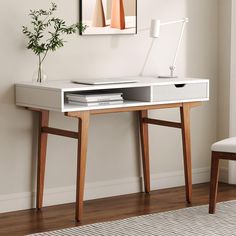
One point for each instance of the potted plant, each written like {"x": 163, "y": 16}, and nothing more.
{"x": 46, "y": 34}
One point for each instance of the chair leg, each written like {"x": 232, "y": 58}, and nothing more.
{"x": 213, "y": 183}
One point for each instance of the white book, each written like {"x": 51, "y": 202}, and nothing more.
{"x": 88, "y": 104}
{"x": 94, "y": 97}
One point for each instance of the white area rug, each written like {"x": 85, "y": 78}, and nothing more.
{"x": 187, "y": 222}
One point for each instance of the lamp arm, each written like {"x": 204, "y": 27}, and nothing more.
{"x": 155, "y": 33}
{"x": 175, "y": 22}
{"x": 183, "y": 21}
{"x": 179, "y": 44}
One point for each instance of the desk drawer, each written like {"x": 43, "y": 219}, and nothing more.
{"x": 180, "y": 92}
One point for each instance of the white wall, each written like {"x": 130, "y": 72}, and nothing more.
{"x": 232, "y": 123}
{"x": 224, "y": 61}
{"x": 225, "y": 8}
{"x": 202, "y": 61}
{"x": 233, "y": 72}
{"x": 227, "y": 73}
{"x": 113, "y": 153}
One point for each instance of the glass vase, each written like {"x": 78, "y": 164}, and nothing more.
{"x": 39, "y": 75}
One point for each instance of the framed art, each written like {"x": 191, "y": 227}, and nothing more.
{"x": 108, "y": 17}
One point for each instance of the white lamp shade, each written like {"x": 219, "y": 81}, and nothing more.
{"x": 155, "y": 28}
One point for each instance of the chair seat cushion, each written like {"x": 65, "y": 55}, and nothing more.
{"x": 226, "y": 145}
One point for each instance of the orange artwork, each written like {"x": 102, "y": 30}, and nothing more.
{"x": 118, "y": 14}
{"x": 98, "y": 15}
{"x": 108, "y": 17}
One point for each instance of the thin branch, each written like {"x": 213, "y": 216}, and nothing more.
{"x": 45, "y": 55}
{"x": 41, "y": 20}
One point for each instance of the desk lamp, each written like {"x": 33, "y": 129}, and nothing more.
{"x": 155, "y": 33}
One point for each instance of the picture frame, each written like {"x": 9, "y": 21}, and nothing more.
{"x": 108, "y": 17}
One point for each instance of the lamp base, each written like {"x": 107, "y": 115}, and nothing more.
{"x": 167, "y": 77}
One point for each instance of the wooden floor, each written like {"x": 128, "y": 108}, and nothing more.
{"x": 58, "y": 217}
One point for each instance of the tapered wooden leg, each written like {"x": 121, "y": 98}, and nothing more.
{"x": 145, "y": 149}
{"x": 213, "y": 183}
{"x": 81, "y": 162}
{"x": 42, "y": 149}
{"x": 185, "y": 121}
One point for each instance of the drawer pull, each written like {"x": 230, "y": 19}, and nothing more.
{"x": 179, "y": 85}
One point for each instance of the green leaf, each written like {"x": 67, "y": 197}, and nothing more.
{"x": 47, "y": 30}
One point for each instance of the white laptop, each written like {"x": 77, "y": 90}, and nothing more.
{"x": 106, "y": 81}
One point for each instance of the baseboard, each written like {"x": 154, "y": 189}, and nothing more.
{"x": 22, "y": 201}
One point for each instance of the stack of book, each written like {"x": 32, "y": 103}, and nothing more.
{"x": 94, "y": 99}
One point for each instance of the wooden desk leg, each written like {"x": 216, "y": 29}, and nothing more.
{"x": 145, "y": 149}
{"x": 185, "y": 121}
{"x": 81, "y": 162}
{"x": 42, "y": 149}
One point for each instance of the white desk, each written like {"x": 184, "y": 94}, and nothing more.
{"x": 148, "y": 94}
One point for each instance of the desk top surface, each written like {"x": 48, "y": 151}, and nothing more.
{"x": 68, "y": 85}
{"x": 148, "y": 91}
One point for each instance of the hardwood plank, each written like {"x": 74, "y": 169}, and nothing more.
{"x": 57, "y": 217}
